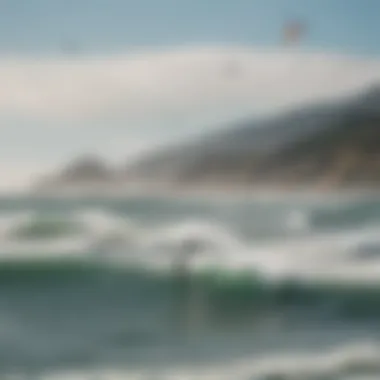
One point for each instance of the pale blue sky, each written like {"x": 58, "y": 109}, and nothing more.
{"x": 52, "y": 27}
{"x": 112, "y": 25}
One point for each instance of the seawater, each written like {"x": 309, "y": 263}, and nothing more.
{"x": 277, "y": 288}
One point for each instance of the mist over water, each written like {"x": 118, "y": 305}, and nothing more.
{"x": 281, "y": 287}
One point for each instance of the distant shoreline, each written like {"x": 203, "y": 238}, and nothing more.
{"x": 206, "y": 192}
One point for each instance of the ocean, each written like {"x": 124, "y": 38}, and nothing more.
{"x": 275, "y": 287}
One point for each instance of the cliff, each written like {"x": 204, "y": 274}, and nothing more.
{"x": 325, "y": 145}
{"x": 87, "y": 172}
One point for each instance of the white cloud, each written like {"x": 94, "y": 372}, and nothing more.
{"x": 149, "y": 86}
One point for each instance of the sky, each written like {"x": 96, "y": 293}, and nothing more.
{"x": 117, "y": 77}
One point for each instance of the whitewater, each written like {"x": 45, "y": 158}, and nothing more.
{"x": 279, "y": 288}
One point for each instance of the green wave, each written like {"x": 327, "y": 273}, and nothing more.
{"x": 46, "y": 228}
{"x": 223, "y": 292}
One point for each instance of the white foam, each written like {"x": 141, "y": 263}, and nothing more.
{"x": 297, "y": 220}
{"x": 8, "y": 221}
{"x": 333, "y": 256}
{"x": 207, "y": 236}
{"x": 358, "y": 359}
{"x": 324, "y": 257}
{"x": 101, "y": 222}
{"x": 95, "y": 226}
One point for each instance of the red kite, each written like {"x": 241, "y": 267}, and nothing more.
{"x": 292, "y": 32}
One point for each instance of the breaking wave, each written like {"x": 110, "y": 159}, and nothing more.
{"x": 358, "y": 360}
{"x": 351, "y": 254}
{"x": 336, "y": 271}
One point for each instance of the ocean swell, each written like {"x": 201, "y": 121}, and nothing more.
{"x": 334, "y": 273}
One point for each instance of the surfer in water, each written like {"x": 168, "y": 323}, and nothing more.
{"x": 187, "y": 251}
{"x": 188, "y": 297}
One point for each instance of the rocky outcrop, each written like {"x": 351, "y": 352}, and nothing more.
{"x": 87, "y": 172}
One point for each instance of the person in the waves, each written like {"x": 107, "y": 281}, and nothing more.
{"x": 188, "y": 296}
